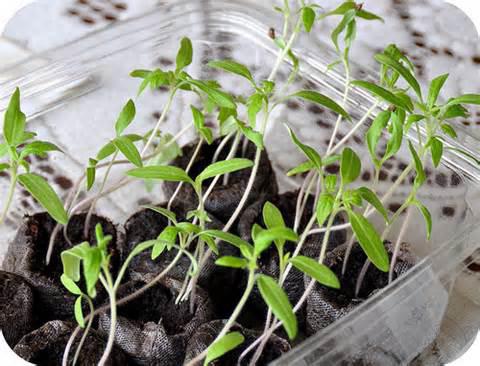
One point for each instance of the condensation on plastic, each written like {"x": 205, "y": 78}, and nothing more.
{"x": 85, "y": 83}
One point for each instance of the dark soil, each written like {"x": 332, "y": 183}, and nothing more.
{"x": 207, "y": 333}
{"x": 326, "y": 305}
{"x": 224, "y": 199}
{"x": 46, "y": 345}
{"x": 152, "y": 329}
{"x": 16, "y": 307}
{"x": 26, "y": 257}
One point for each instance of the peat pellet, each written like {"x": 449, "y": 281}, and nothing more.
{"x": 26, "y": 257}
{"x": 207, "y": 333}
{"x": 152, "y": 329}
{"x": 218, "y": 281}
{"x": 16, "y": 307}
{"x": 326, "y": 305}
{"x": 46, "y": 345}
{"x": 224, "y": 199}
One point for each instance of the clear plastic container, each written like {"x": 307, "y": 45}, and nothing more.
{"x": 74, "y": 99}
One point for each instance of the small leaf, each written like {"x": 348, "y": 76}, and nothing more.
{"x": 308, "y": 151}
{"x": 276, "y": 299}
{"x": 219, "y": 97}
{"x": 45, "y": 195}
{"x": 421, "y": 176}
{"x": 308, "y": 17}
{"x": 71, "y": 260}
{"x": 347, "y": 19}
{"x": 71, "y": 286}
{"x": 368, "y": 15}
{"x": 436, "y": 150}
{"x": 199, "y": 122}
{"x": 229, "y": 238}
{"x": 387, "y": 60}
{"x": 159, "y": 248}
{"x": 224, "y": 345}
{"x": 210, "y": 242}
{"x": 321, "y": 273}
{"x": 4, "y": 166}
{"x": 435, "y": 88}
{"x": 185, "y": 54}
{"x": 383, "y": 93}
{"x": 232, "y": 262}
{"x": 163, "y": 211}
{"x": 340, "y": 10}
{"x": 375, "y": 132}
{"x": 264, "y": 238}
{"x": 449, "y": 130}
{"x": 317, "y": 98}
{"x": 14, "y": 120}
{"x": 300, "y": 169}
{"x": 79, "y": 313}
{"x": 3, "y": 150}
{"x": 350, "y": 166}
{"x": 125, "y": 118}
{"x": 140, "y": 248}
{"x": 106, "y": 151}
{"x": 252, "y": 135}
{"x": 395, "y": 142}
{"x": 254, "y": 105}
{"x": 91, "y": 173}
{"x": 369, "y": 240}
{"x": 426, "y": 215}
{"x": 272, "y": 217}
{"x": 324, "y": 208}
{"x": 129, "y": 150}
{"x": 165, "y": 173}
{"x": 233, "y": 67}
{"x": 466, "y": 99}
{"x": 455, "y": 111}
{"x": 331, "y": 183}
{"x": 371, "y": 197}
{"x": 38, "y": 148}
{"x": 224, "y": 167}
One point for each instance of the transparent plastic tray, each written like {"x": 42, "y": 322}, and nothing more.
{"x": 75, "y": 98}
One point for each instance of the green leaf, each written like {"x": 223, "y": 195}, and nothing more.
{"x": 14, "y": 120}
{"x": 254, "y": 105}
{"x": 340, "y": 10}
{"x": 308, "y": 151}
{"x": 426, "y": 215}
{"x": 223, "y": 167}
{"x": 4, "y": 166}
{"x": 317, "y": 98}
{"x": 272, "y": 217}
{"x": 210, "y": 242}
{"x": 265, "y": 237}
{"x": 455, "y": 111}
{"x": 300, "y": 169}
{"x": 185, "y": 54}
{"x": 71, "y": 286}
{"x": 163, "y": 211}
{"x": 3, "y": 150}
{"x": 233, "y": 67}
{"x": 347, "y": 19}
{"x": 375, "y": 132}
{"x": 92, "y": 264}
{"x": 331, "y": 183}
{"x": 435, "y": 86}
{"x": 436, "y": 149}
{"x": 91, "y": 173}
{"x": 229, "y": 238}
{"x": 45, "y": 195}
{"x": 224, "y": 345}
{"x": 321, "y": 273}
{"x": 125, "y": 118}
{"x": 232, "y": 262}
{"x": 387, "y": 60}
{"x": 395, "y": 142}
{"x": 79, "y": 313}
{"x": 219, "y": 97}
{"x": 278, "y": 302}
{"x": 449, "y": 130}
{"x": 308, "y": 17}
{"x": 371, "y": 197}
{"x": 199, "y": 122}
{"x": 106, "y": 151}
{"x": 465, "y": 99}
{"x": 159, "y": 248}
{"x": 252, "y": 135}
{"x": 129, "y": 150}
{"x": 421, "y": 176}
{"x": 71, "y": 260}
{"x": 324, "y": 208}
{"x": 369, "y": 240}
{"x": 350, "y": 166}
{"x": 38, "y": 148}
{"x": 368, "y": 15}
{"x": 382, "y": 93}
{"x": 139, "y": 248}
{"x": 413, "y": 118}
{"x": 165, "y": 173}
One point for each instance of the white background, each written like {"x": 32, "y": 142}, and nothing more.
{"x": 471, "y": 7}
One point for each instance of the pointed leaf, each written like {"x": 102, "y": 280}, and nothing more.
{"x": 79, "y": 313}
{"x": 323, "y": 100}
{"x": 375, "y": 132}
{"x": 435, "y": 88}
{"x": 129, "y": 150}
{"x": 228, "y": 237}
{"x": 185, "y": 54}
{"x": 466, "y": 99}
{"x": 436, "y": 150}
{"x": 252, "y": 135}
{"x": 38, "y": 148}
{"x": 254, "y": 104}
{"x": 308, "y": 151}
{"x": 382, "y": 93}
{"x": 163, "y": 211}
{"x": 14, "y": 120}
{"x": 224, "y": 345}
{"x": 321, "y": 273}
{"x": 421, "y": 176}
{"x": 232, "y": 262}
{"x": 350, "y": 166}
{"x": 265, "y": 238}
{"x": 308, "y": 17}
{"x": 300, "y": 169}
{"x": 426, "y": 215}
{"x": 45, "y": 195}
{"x": 371, "y": 197}
{"x": 125, "y": 118}
{"x": 324, "y": 208}
{"x": 369, "y": 240}
{"x": 278, "y": 302}
{"x": 232, "y": 67}
{"x": 217, "y": 96}
{"x": 71, "y": 286}
{"x": 224, "y": 167}
{"x": 165, "y": 173}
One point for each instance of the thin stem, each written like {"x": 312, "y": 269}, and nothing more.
{"x": 11, "y": 193}
{"x": 85, "y": 332}
{"x": 361, "y": 277}
{"x": 108, "y": 284}
{"x": 306, "y": 186}
{"x": 97, "y": 197}
{"x": 397, "y": 245}
{"x": 233, "y": 318}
